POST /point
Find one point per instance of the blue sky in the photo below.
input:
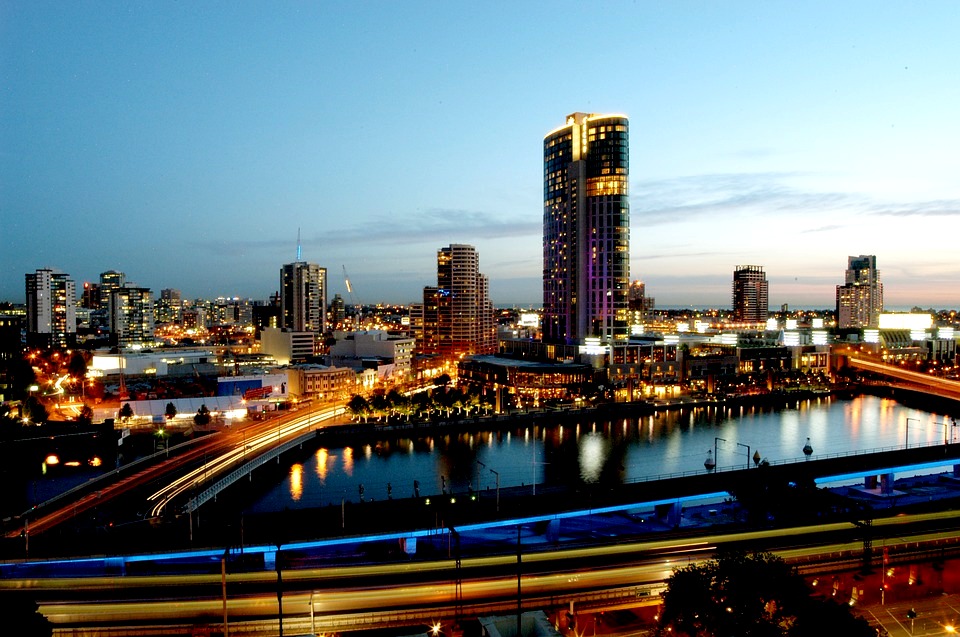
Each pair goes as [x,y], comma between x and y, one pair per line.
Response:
[185,143]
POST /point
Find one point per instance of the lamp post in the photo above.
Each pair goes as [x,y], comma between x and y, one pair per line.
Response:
[715,440]
[740,444]
[906,434]
[497,474]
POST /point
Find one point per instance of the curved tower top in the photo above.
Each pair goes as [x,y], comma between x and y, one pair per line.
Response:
[586,229]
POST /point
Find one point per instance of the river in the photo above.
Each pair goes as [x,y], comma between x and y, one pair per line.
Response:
[598,451]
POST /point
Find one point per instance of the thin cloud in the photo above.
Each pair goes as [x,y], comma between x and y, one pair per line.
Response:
[695,197]
[439,224]
[830,228]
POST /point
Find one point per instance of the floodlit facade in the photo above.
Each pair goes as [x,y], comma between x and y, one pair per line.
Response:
[586,230]
[860,298]
[303,297]
[750,294]
[456,317]
[51,309]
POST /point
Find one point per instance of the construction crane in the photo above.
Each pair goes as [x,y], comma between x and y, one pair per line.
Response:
[357,308]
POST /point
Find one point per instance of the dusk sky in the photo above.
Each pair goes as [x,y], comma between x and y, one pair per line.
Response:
[185,143]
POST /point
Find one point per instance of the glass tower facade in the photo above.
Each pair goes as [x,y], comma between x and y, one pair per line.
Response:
[586,230]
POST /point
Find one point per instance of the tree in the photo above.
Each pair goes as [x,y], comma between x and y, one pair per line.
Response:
[22,616]
[171,411]
[126,412]
[35,410]
[203,416]
[359,407]
[77,366]
[85,417]
[751,596]
[379,404]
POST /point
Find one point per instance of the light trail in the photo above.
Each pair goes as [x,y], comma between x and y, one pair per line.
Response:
[218,464]
[435,588]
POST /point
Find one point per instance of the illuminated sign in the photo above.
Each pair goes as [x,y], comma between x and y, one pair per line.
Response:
[817,323]
[819,337]
[529,319]
[593,347]
[791,324]
[871,336]
[945,332]
[791,339]
[258,393]
[903,321]
[772,324]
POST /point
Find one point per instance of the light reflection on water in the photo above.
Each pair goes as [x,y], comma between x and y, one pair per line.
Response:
[598,451]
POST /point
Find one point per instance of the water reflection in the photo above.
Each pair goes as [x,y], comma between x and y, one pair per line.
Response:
[296,482]
[323,457]
[606,452]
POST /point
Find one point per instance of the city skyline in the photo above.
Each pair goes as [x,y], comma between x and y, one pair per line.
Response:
[185,145]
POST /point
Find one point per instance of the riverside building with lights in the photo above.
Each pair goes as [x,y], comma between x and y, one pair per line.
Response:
[586,230]
[456,317]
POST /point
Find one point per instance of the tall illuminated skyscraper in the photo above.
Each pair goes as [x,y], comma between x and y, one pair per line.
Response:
[750,294]
[456,317]
[303,297]
[860,298]
[586,229]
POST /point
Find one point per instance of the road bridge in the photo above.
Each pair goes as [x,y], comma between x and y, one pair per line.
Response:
[925,383]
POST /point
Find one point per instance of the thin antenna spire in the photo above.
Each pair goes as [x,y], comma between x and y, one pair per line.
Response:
[298,244]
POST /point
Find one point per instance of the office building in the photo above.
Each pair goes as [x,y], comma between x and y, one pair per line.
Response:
[750,294]
[586,230]
[51,309]
[131,316]
[860,298]
[303,297]
[456,317]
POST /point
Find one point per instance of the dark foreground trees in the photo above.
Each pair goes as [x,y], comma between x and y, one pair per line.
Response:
[758,595]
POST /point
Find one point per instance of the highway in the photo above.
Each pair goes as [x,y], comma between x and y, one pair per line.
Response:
[422,590]
[198,463]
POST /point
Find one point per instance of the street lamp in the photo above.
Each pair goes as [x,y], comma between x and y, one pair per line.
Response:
[495,473]
[906,434]
[740,444]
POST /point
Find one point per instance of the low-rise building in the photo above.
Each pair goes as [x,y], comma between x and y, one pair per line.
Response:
[321,382]
[374,349]
[287,346]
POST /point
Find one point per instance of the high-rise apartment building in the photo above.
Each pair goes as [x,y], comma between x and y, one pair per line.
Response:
[303,297]
[110,281]
[640,305]
[860,298]
[586,229]
[169,307]
[131,315]
[750,294]
[51,309]
[456,317]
